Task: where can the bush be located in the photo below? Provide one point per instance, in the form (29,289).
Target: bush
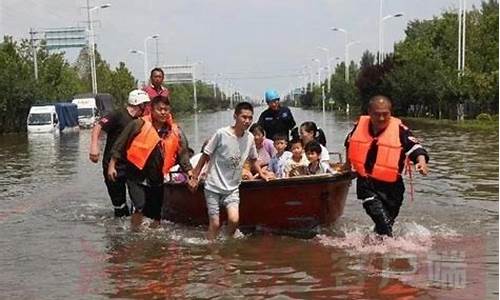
(484,117)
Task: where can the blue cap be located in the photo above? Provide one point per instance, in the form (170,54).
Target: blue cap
(272,95)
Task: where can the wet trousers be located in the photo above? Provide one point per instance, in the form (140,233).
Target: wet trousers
(146,199)
(118,193)
(381,202)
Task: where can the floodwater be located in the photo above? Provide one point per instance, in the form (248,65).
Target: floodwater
(58,238)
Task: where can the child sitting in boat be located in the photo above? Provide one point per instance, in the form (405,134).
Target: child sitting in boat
(316,166)
(278,161)
(297,164)
(309,132)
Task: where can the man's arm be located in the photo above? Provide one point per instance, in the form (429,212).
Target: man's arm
(183,154)
(94,143)
(414,151)
(201,163)
(119,147)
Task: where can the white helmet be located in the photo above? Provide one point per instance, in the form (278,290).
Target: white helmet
(137,97)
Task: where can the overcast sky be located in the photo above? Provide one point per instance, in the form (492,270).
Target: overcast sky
(255,44)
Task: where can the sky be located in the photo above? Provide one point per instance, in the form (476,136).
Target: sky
(248,45)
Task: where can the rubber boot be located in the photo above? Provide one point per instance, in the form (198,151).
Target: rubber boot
(122,212)
(383,223)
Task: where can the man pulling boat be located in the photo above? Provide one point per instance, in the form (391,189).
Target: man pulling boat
(378,148)
(151,145)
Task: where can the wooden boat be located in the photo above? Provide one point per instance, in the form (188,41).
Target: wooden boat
(280,205)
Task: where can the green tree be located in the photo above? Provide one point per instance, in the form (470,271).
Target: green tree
(16,87)
(122,83)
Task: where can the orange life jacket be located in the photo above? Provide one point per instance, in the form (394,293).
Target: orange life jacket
(147,139)
(386,166)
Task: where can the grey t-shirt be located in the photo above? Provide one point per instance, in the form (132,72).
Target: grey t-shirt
(227,154)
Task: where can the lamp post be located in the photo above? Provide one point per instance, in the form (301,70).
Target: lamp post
(328,70)
(135,51)
(215,85)
(346,74)
(462,15)
(93,73)
(311,77)
(146,67)
(346,51)
(319,70)
(322,88)
(381,30)
(195,95)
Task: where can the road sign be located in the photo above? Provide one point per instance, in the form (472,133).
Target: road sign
(61,37)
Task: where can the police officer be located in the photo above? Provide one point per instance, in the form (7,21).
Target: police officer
(276,119)
(113,124)
(378,148)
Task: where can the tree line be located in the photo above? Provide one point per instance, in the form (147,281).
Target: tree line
(421,75)
(59,81)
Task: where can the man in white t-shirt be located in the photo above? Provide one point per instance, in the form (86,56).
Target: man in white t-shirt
(226,152)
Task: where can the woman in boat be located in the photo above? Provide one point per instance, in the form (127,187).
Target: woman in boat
(308,132)
(265,151)
(265,146)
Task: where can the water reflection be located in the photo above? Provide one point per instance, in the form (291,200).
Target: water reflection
(264,266)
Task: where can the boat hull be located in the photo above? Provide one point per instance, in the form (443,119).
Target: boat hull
(282,204)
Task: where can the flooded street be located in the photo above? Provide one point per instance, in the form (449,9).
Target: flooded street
(58,238)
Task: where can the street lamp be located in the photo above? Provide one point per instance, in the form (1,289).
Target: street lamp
(462,15)
(323,88)
(215,84)
(93,73)
(135,51)
(146,67)
(346,51)
(311,77)
(319,70)
(381,32)
(195,97)
(328,70)
(346,74)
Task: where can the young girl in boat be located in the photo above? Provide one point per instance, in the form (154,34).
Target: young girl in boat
(316,165)
(297,164)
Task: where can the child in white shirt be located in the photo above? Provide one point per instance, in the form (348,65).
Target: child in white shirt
(278,161)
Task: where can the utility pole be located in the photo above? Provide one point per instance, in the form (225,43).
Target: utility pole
(157,54)
(93,72)
(33,48)
(462,14)
(195,105)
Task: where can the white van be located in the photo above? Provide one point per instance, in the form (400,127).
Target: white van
(87,112)
(43,119)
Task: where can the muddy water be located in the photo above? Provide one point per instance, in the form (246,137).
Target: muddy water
(58,238)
